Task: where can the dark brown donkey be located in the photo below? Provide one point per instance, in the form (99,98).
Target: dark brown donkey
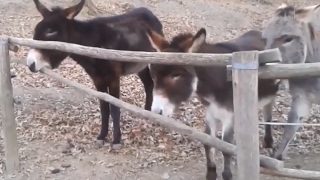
(121,32)
(174,84)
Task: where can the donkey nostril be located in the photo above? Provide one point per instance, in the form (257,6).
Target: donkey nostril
(160,112)
(32,67)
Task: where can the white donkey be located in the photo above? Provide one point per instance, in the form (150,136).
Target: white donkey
(292,31)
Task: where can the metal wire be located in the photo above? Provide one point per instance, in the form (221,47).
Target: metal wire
(290,124)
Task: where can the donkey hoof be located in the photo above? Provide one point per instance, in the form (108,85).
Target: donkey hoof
(267,142)
(227,175)
(100,143)
(211,175)
(116,146)
(279,157)
(271,151)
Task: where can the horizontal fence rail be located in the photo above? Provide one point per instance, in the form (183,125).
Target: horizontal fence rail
(200,59)
(268,71)
(284,71)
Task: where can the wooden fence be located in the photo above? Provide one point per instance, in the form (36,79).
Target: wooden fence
(245,74)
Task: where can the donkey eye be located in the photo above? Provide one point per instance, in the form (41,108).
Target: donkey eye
(175,75)
(289,39)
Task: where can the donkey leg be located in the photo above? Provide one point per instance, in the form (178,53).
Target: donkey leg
(146,79)
(210,129)
(300,108)
(105,114)
(114,90)
(227,136)
(267,116)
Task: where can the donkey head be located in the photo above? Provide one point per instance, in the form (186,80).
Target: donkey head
(55,26)
(290,30)
(173,84)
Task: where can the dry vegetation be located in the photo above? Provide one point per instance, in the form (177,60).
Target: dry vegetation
(57,125)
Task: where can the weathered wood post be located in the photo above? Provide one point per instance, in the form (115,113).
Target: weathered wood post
(245,92)
(7,110)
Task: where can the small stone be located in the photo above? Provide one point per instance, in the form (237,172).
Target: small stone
(297,167)
(304,136)
(55,170)
(70,144)
(16,101)
(65,165)
(165,176)
(301,152)
(66,151)
(110,165)
(183,154)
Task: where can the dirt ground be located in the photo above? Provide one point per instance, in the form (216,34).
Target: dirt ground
(57,125)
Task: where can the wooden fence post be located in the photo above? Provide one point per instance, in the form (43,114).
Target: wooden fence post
(7,110)
(245,102)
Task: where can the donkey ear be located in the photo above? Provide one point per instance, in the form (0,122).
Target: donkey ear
(156,40)
(73,11)
(41,8)
(306,12)
(197,40)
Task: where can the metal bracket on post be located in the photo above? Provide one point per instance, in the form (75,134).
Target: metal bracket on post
(245,66)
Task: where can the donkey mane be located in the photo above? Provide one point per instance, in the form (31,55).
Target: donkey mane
(177,40)
(228,45)
(285,11)
(56,9)
(141,14)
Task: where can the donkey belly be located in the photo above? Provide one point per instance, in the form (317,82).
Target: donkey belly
(307,88)
(132,68)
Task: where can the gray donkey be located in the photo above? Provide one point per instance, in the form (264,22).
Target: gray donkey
(292,31)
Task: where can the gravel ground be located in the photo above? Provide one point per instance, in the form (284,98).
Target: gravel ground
(57,125)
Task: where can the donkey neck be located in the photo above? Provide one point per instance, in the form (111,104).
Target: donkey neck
(96,33)
(315,48)
(213,87)
(212,80)
(216,74)
(93,34)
